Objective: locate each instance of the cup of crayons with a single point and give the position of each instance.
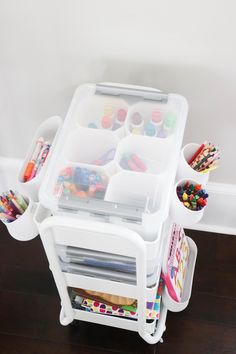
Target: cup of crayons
(197, 161)
(16, 212)
(189, 202)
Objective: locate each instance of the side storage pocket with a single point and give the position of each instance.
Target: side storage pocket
(168, 301)
(24, 228)
(49, 131)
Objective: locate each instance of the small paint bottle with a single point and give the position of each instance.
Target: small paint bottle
(119, 118)
(92, 125)
(136, 123)
(150, 129)
(169, 123)
(157, 120)
(106, 122)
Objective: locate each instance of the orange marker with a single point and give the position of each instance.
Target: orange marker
(28, 170)
(31, 163)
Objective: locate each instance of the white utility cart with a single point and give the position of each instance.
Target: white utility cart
(125, 218)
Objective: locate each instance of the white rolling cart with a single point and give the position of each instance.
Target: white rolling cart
(126, 217)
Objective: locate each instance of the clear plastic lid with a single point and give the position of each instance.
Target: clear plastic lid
(117, 152)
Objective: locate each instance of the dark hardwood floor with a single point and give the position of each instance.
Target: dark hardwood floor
(29, 307)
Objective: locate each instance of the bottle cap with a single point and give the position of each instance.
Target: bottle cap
(121, 115)
(156, 117)
(150, 129)
(106, 122)
(170, 120)
(136, 118)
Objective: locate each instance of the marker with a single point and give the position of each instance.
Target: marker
(40, 160)
(196, 153)
(31, 163)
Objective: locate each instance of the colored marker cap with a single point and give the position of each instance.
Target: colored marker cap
(156, 117)
(106, 122)
(136, 118)
(92, 125)
(170, 120)
(150, 129)
(121, 115)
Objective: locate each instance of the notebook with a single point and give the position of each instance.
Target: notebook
(175, 268)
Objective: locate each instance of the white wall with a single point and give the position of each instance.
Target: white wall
(48, 47)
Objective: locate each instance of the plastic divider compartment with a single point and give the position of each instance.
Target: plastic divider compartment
(91, 147)
(185, 170)
(49, 130)
(152, 153)
(24, 227)
(100, 112)
(170, 303)
(152, 119)
(81, 181)
(137, 190)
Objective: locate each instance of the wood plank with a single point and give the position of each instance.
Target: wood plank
(195, 337)
(28, 254)
(27, 280)
(21, 345)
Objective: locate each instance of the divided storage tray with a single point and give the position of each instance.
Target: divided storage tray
(117, 156)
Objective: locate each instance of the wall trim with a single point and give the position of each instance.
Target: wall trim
(219, 216)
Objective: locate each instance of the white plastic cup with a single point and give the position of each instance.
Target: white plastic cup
(24, 228)
(185, 170)
(179, 212)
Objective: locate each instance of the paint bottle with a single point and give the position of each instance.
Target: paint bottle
(157, 120)
(137, 123)
(119, 118)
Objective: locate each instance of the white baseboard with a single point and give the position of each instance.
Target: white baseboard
(220, 213)
(219, 216)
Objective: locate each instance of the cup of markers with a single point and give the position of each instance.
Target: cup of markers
(189, 202)
(37, 159)
(16, 212)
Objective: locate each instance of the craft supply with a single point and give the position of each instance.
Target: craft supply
(12, 205)
(132, 162)
(37, 160)
(205, 159)
(150, 129)
(40, 159)
(106, 122)
(105, 158)
(169, 122)
(175, 269)
(81, 182)
(92, 125)
(192, 197)
(129, 311)
(109, 299)
(31, 163)
(157, 120)
(108, 109)
(137, 123)
(139, 163)
(119, 118)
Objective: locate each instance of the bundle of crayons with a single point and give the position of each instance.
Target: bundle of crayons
(37, 160)
(12, 205)
(192, 197)
(205, 158)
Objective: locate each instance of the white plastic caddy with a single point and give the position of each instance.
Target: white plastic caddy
(132, 219)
